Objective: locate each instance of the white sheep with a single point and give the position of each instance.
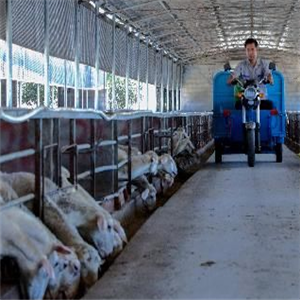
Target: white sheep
(88, 256)
(123, 152)
(24, 183)
(167, 165)
(64, 261)
(147, 191)
(94, 223)
(181, 141)
(67, 277)
(36, 270)
(146, 163)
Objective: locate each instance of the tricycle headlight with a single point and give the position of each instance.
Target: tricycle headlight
(250, 93)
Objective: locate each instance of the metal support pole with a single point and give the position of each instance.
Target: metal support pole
(177, 87)
(168, 84)
(147, 72)
(127, 69)
(155, 80)
(159, 134)
(162, 84)
(93, 156)
(37, 204)
(173, 87)
(138, 73)
(129, 124)
(151, 134)
(181, 83)
(56, 134)
(21, 93)
(82, 92)
(77, 52)
(46, 55)
(19, 87)
(143, 134)
(38, 95)
(65, 85)
(172, 126)
(113, 100)
(115, 158)
(97, 56)
(73, 153)
(9, 99)
(1, 93)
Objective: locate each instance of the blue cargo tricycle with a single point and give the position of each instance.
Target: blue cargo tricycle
(248, 122)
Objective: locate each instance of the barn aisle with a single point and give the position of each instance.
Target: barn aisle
(230, 232)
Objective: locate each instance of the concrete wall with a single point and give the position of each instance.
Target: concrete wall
(197, 86)
(291, 73)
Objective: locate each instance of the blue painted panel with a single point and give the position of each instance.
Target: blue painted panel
(272, 127)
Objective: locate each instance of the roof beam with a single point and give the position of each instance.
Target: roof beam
(166, 34)
(143, 30)
(175, 18)
(286, 23)
(218, 19)
(251, 17)
(180, 38)
(148, 18)
(134, 6)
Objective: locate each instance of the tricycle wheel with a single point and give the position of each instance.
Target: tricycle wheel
(218, 153)
(251, 147)
(278, 151)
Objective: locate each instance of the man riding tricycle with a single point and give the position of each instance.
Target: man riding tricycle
(248, 107)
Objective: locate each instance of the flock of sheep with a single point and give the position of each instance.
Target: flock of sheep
(64, 253)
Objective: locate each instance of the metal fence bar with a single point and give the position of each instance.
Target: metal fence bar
(138, 72)
(97, 55)
(9, 98)
(16, 155)
(16, 202)
(162, 84)
(127, 69)
(113, 100)
(77, 53)
(106, 143)
(168, 84)
(147, 72)
(37, 204)
(46, 54)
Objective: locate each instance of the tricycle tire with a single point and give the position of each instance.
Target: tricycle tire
(278, 151)
(251, 147)
(218, 153)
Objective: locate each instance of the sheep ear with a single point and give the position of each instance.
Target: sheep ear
(101, 223)
(62, 249)
(154, 159)
(119, 229)
(65, 172)
(164, 159)
(145, 194)
(47, 266)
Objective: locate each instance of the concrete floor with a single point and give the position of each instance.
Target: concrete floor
(230, 232)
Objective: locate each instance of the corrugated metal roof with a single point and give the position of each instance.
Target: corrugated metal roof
(215, 30)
